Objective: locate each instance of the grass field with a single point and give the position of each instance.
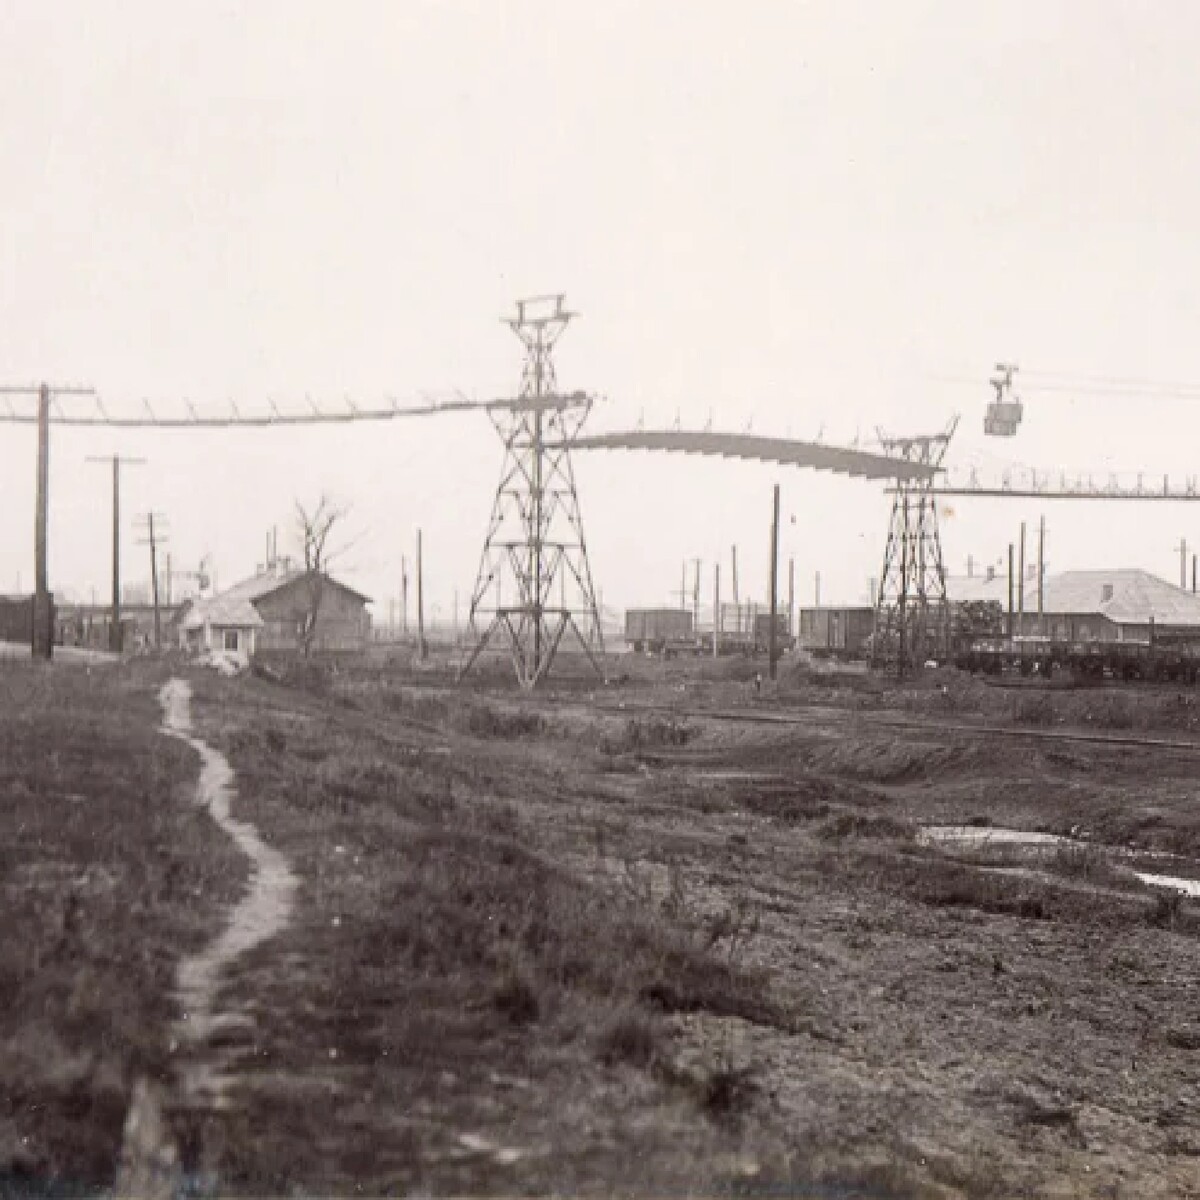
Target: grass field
(553, 944)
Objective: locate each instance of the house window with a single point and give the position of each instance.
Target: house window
(1106, 593)
(231, 640)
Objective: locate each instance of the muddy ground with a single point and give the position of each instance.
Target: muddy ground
(632, 938)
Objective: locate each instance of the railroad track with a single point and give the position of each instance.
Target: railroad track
(1003, 731)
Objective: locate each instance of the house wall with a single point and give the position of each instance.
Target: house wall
(343, 622)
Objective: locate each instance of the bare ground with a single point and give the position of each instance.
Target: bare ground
(557, 945)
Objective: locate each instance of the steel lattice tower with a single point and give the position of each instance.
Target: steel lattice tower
(912, 609)
(534, 582)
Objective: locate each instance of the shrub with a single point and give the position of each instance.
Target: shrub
(631, 1036)
(1034, 710)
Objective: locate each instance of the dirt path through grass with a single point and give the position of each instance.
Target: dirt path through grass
(262, 912)
(149, 1160)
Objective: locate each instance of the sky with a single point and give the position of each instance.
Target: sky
(804, 219)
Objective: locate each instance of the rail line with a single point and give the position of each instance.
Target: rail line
(1045, 735)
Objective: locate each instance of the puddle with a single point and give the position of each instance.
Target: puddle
(1189, 887)
(987, 835)
(976, 836)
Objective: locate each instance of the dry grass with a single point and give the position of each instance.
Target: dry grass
(103, 859)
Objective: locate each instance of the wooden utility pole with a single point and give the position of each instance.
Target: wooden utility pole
(695, 598)
(115, 638)
(153, 535)
(716, 609)
(817, 588)
(1010, 591)
(1021, 577)
(1041, 572)
(737, 600)
(422, 648)
(404, 595)
(773, 635)
(1193, 574)
(792, 596)
(1183, 564)
(43, 633)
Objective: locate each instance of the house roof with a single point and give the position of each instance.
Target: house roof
(1126, 596)
(224, 611)
(236, 605)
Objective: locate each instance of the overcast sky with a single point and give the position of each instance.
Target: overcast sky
(811, 217)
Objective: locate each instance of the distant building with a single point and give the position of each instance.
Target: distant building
(90, 625)
(1123, 605)
(269, 612)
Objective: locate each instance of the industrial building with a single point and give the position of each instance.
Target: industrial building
(269, 611)
(1122, 605)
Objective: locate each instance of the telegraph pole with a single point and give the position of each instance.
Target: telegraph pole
(1010, 591)
(772, 636)
(114, 631)
(404, 595)
(423, 650)
(1182, 564)
(696, 598)
(42, 640)
(151, 539)
(1041, 571)
(43, 635)
(716, 609)
(1021, 577)
(792, 595)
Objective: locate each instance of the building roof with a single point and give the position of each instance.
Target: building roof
(224, 611)
(1126, 596)
(235, 607)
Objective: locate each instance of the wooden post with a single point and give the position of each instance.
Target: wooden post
(423, 649)
(1021, 578)
(792, 596)
(115, 638)
(154, 582)
(772, 636)
(716, 609)
(1041, 572)
(404, 595)
(43, 633)
(1010, 591)
(737, 601)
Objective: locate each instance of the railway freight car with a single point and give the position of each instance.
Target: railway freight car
(836, 632)
(660, 630)
(762, 633)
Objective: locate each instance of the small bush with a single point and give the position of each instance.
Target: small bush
(630, 1036)
(515, 995)
(1036, 709)
(863, 825)
(1165, 912)
(482, 721)
(726, 1090)
(649, 733)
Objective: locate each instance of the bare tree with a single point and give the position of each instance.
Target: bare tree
(315, 525)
